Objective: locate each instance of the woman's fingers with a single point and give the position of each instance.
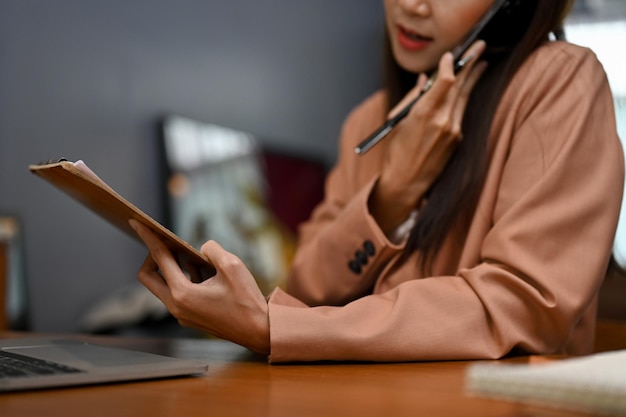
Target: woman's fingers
(231, 271)
(467, 78)
(150, 277)
(472, 56)
(213, 251)
(466, 90)
(171, 272)
(230, 305)
(450, 92)
(446, 75)
(447, 81)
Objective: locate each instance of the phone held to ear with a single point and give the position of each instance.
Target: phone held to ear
(500, 27)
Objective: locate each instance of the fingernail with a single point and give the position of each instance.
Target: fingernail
(462, 62)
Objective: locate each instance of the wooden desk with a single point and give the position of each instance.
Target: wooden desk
(240, 383)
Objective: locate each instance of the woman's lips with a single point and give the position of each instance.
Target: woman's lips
(412, 41)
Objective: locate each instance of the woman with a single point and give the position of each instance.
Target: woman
(481, 227)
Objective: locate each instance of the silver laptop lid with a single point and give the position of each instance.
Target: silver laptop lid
(73, 362)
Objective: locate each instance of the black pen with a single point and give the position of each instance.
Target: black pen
(384, 130)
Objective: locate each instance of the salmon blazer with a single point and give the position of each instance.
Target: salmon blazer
(526, 276)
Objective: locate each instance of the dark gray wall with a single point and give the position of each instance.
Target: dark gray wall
(87, 79)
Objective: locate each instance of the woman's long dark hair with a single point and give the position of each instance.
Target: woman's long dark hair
(452, 199)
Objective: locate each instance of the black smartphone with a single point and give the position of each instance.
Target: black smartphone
(501, 27)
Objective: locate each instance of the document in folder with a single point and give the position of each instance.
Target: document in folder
(81, 183)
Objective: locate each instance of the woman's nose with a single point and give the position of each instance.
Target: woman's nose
(417, 7)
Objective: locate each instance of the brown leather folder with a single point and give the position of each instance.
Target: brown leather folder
(78, 181)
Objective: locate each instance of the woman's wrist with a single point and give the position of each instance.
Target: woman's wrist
(261, 342)
(391, 210)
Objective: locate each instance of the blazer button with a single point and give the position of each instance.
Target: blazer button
(355, 266)
(369, 247)
(361, 257)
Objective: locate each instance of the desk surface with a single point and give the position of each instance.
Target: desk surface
(240, 383)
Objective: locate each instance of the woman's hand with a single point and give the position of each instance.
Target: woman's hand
(423, 142)
(229, 305)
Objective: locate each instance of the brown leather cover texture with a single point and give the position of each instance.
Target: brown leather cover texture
(104, 201)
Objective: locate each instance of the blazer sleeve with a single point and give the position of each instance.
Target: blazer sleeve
(542, 261)
(341, 249)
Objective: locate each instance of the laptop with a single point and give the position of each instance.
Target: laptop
(48, 363)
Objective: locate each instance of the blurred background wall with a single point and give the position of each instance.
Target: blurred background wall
(87, 79)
